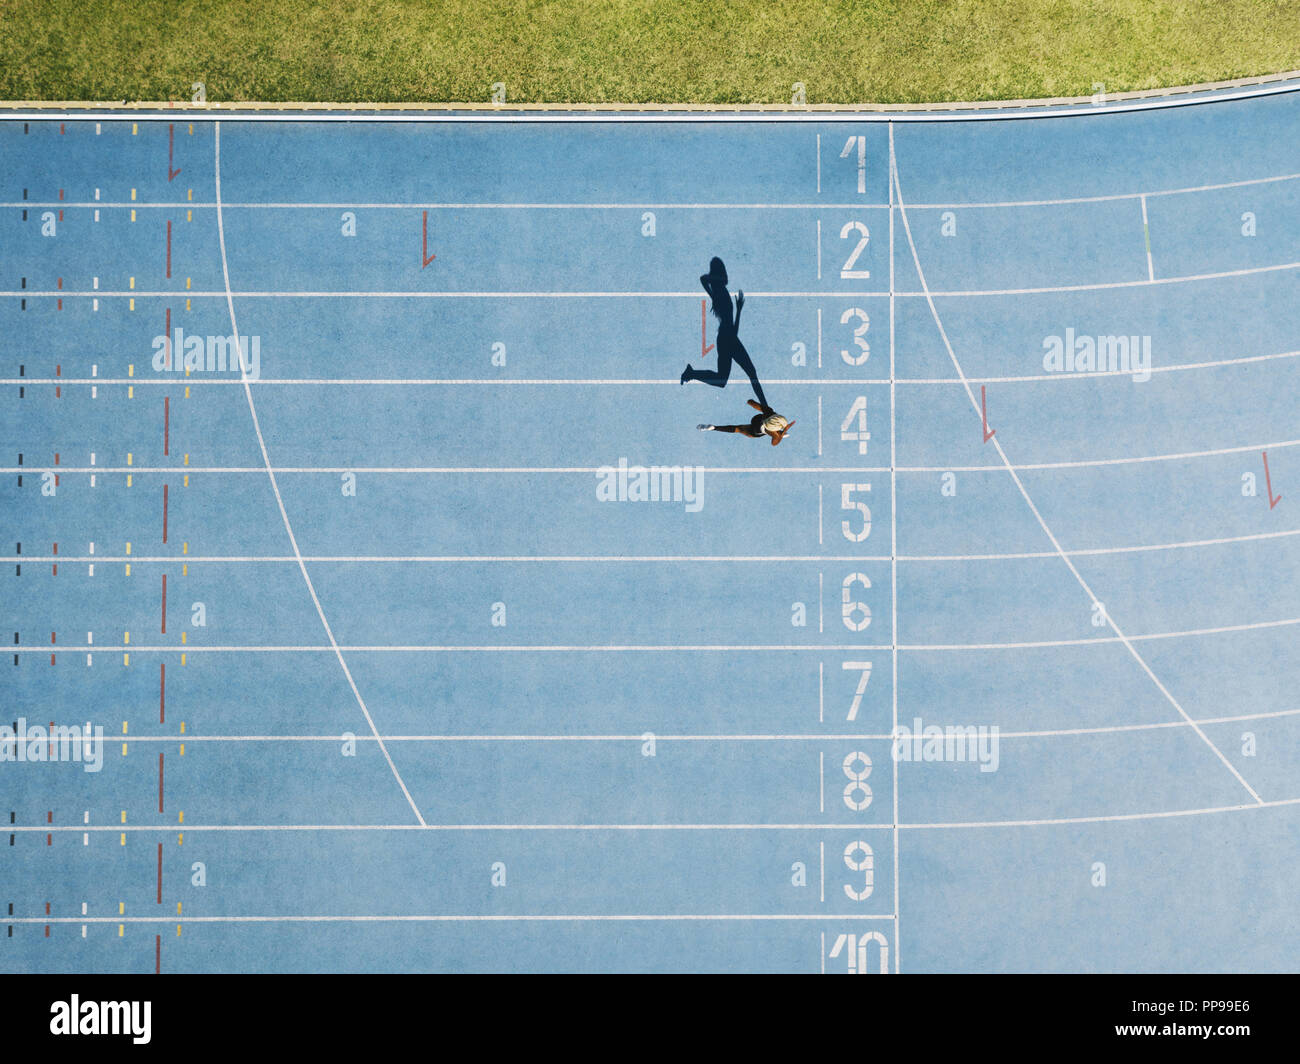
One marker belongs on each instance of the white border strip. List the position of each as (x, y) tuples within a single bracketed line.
[(233, 114)]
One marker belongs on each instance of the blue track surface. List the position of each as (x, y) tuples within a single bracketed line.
[(657, 761)]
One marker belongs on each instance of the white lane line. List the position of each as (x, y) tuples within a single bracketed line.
[(1100, 640), (1046, 733), (1146, 238), (429, 919), (391, 205), (893, 551), (1095, 286), (1092, 598), (1085, 463), (143, 559), (275, 487), (1276, 803), (642, 381)]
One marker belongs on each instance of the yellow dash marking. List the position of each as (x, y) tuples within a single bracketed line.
[(133, 214)]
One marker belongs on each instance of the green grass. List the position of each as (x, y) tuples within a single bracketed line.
[(632, 51)]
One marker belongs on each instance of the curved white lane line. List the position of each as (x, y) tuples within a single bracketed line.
[(275, 487), (975, 405)]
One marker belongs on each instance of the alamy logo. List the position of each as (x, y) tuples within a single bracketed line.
[(1073, 353), (953, 742), (625, 483), (57, 743), (207, 354), (102, 1017)]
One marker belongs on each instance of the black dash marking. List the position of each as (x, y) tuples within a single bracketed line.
[(24, 282), (24, 305)]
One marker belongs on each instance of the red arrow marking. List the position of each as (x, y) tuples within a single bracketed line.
[(984, 413), (1268, 484), (425, 253), (171, 146), (704, 330)]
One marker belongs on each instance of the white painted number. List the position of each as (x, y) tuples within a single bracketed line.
[(857, 615), (859, 336), (857, 794), (857, 412), (854, 949), (861, 144), (847, 503), (847, 272), (865, 668), (859, 858)]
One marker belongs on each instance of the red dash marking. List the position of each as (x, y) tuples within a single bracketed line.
[(59, 307), (704, 329), (55, 572), (49, 840), (160, 789), (162, 692), (160, 858), (47, 908), (169, 247), (49, 819), (1268, 483), (157, 954), (984, 414), (60, 216), (167, 424), (164, 518), (60, 190), (47, 930), (60, 134), (60, 279), (164, 604), (171, 145), (427, 258)]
